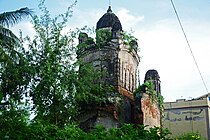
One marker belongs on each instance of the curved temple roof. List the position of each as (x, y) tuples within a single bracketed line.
[(152, 75), (109, 19)]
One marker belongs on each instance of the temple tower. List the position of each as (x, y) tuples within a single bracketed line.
[(148, 107), (153, 76), (117, 56), (114, 53)]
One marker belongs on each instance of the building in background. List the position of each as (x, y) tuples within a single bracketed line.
[(185, 116)]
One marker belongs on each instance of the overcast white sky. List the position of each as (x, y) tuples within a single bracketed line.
[(161, 41)]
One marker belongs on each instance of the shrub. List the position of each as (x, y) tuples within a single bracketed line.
[(189, 136)]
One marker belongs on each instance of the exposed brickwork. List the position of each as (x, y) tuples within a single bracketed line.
[(151, 111)]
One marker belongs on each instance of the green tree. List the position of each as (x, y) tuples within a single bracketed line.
[(13, 64), (8, 19), (13, 17), (51, 55), (14, 121)]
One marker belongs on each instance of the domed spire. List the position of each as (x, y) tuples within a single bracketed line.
[(109, 19), (152, 75)]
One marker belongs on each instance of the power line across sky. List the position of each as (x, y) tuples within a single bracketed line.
[(196, 63)]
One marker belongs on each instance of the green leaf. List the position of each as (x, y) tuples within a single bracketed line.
[(1, 96)]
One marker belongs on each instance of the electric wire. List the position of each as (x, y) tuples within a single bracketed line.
[(189, 45)]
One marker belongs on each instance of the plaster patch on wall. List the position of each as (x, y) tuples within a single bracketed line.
[(150, 111)]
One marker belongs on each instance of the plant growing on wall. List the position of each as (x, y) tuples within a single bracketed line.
[(86, 43), (128, 39), (148, 87), (97, 90), (103, 36), (91, 88)]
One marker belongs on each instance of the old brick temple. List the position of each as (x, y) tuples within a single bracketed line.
[(120, 60)]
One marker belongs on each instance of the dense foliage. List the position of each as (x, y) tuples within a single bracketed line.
[(127, 38), (42, 130), (50, 58), (189, 136), (103, 36), (42, 88), (38, 130), (13, 65), (148, 87)]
